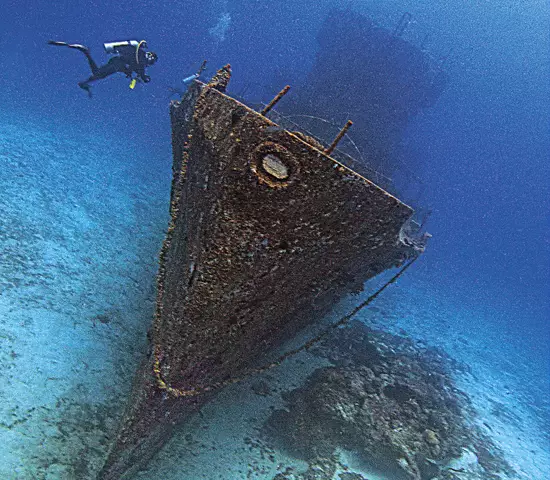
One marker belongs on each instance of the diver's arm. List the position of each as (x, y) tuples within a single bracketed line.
[(140, 69), (143, 76)]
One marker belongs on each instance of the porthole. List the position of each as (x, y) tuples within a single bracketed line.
[(273, 164)]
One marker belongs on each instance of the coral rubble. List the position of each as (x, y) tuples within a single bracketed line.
[(391, 402)]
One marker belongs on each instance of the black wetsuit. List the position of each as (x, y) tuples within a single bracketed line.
[(125, 62)]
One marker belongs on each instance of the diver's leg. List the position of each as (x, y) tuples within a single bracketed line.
[(93, 65), (112, 66), (86, 51), (85, 86), (81, 48), (102, 72)]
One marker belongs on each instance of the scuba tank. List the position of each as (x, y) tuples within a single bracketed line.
[(115, 47), (125, 48), (190, 78)]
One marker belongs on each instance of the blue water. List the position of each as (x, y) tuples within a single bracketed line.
[(80, 177)]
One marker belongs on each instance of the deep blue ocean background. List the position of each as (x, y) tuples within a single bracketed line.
[(483, 151)]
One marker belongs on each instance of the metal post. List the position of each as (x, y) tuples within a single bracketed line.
[(201, 69), (273, 102), (330, 149)]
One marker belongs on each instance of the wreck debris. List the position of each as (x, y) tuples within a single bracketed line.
[(381, 80)]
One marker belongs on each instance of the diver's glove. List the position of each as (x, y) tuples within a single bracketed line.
[(146, 78)]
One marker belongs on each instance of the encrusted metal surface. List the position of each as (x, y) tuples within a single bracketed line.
[(267, 233)]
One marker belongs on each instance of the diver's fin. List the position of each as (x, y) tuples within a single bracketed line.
[(58, 44), (76, 46), (86, 87)]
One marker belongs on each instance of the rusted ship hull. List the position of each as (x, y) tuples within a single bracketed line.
[(266, 233)]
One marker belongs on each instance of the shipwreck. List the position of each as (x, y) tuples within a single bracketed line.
[(269, 228), (267, 232)]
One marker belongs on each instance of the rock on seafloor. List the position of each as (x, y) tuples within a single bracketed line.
[(392, 402)]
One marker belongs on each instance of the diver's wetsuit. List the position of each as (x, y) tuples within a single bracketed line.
[(125, 62)]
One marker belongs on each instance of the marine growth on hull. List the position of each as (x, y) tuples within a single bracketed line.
[(267, 232)]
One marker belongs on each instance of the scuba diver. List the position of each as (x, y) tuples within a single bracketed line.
[(130, 57)]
